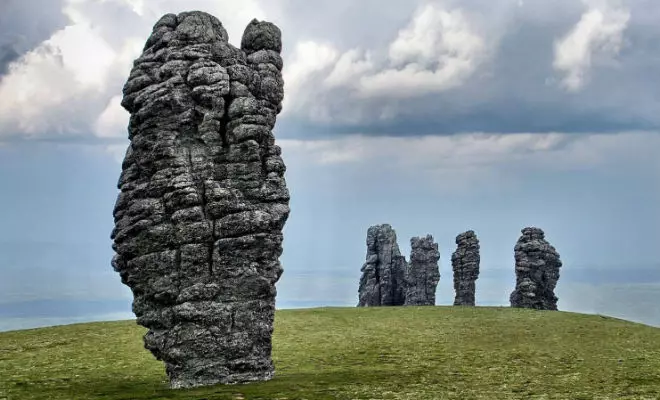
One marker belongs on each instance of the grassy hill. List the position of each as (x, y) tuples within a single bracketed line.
[(367, 353)]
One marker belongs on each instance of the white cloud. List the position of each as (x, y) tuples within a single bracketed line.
[(137, 6), (54, 88), (455, 150), (348, 68), (113, 121), (435, 52), (465, 160), (599, 32), (308, 58), (84, 54), (36, 84), (68, 84), (234, 15)]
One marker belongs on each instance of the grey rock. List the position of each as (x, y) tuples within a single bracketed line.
[(422, 275), (383, 273), (203, 200), (465, 264), (537, 271)]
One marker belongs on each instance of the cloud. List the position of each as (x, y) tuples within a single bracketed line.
[(308, 58), (599, 32), (59, 86), (113, 121), (69, 85), (435, 52), (348, 68), (557, 150), (419, 68), (506, 84), (24, 27), (465, 162)]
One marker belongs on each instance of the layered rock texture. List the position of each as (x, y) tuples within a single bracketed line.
[(383, 273), (537, 271), (203, 201), (422, 275), (465, 263)]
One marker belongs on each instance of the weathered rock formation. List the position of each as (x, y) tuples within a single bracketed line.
[(537, 272), (465, 263), (199, 218), (383, 273), (422, 275)]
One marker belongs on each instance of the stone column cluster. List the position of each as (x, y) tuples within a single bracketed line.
[(388, 280)]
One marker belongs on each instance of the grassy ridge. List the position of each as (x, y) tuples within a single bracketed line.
[(361, 353)]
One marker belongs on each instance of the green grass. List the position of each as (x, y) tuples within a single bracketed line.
[(361, 353)]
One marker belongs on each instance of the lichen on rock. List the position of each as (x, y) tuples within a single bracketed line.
[(537, 271), (203, 200)]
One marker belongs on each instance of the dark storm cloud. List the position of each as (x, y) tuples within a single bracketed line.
[(8, 53), (515, 90), (24, 24)]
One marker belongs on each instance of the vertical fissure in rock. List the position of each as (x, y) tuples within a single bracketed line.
[(232, 321), (178, 268), (378, 290), (264, 160), (211, 249), (224, 122)]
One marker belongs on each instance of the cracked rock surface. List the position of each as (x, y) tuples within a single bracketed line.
[(383, 273), (537, 271), (465, 263), (422, 273), (203, 201)]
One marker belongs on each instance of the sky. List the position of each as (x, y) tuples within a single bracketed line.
[(433, 116)]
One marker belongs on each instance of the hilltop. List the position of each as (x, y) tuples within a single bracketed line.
[(361, 353)]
